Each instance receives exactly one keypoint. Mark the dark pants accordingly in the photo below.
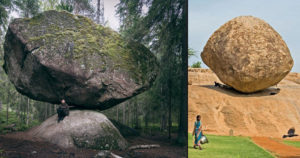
(62, 112)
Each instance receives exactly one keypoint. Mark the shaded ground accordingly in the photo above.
(167, 148)
(19, 145)
(279, 149)
(17, 148)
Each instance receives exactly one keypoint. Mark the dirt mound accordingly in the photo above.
(258, 114)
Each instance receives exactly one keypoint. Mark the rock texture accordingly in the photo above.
(58, 55)
(256, 114)
(247, 54)
(82, 129)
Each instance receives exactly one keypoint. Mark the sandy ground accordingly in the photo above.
(276, 147)
(226, 111)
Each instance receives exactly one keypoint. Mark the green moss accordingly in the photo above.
(110, 140)
(36, 20)
(94, 42)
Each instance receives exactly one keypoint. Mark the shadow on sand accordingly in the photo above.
(232, 92)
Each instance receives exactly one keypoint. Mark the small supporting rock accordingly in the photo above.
(81, 129)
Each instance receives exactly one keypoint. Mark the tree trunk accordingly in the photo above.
(183, 124)
(49, 110)
(132, 112)
(0, 106)
(170, 107)
(144, 146)
(7, 106)
(163, 107)
(127, 115)
(18, 107)
(55, 107)
(27, 115)
(117, 113)
(21, 109)
(136, 114)
(46, 112)
(98, 12)
(32, 111)
(163, 122)
(124, 114)
(146, 120)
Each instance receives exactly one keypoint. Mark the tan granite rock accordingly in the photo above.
(247, 54)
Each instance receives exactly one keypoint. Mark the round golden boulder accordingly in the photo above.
(247, 54)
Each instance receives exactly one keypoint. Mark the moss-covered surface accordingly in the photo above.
(108, 139)
(80, 40)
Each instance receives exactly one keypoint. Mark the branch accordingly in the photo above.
(144, 146)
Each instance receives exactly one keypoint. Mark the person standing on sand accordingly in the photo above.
(197, 132)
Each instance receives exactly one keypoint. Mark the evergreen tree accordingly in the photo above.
(163, 29)
(5, 6)
(28, 8)
(48, 4)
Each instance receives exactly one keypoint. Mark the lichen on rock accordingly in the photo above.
(81, 129)
(57, 55)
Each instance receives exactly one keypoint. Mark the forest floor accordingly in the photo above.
(19, 144)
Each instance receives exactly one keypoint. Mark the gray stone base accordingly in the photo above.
(82, 129)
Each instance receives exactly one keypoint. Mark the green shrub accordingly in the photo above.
(197, 65)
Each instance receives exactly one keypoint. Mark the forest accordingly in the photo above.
(161, 27)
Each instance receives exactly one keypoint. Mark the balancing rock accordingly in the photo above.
(247, 54)
(57, 55)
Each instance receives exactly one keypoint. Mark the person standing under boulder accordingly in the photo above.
(197, 132)
(62, 110)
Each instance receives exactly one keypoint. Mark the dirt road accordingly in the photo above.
(277, 148)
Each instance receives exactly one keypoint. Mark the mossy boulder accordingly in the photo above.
(57, 55)
(81, 129)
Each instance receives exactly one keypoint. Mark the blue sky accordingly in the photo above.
(206, 16)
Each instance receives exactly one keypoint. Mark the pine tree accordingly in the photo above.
(163, 28)
(28, 8)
